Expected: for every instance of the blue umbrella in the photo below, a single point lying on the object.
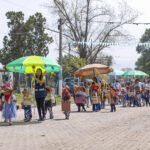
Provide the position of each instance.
(116, 73)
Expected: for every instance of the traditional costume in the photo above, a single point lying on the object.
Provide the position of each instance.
(49, 101)
(95, 97)
(66, 102)
(9, 108)
(27, 102)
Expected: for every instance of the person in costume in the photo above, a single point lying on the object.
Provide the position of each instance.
(103, 97)
(49, 101)
(27, 105)
(9, 108)
(87, 91)
(95, 97)
(113, 99)
(66, 102)
(80, 99)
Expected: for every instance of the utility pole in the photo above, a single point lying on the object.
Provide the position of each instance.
(60, 56)
(60, 40)
(69, 45)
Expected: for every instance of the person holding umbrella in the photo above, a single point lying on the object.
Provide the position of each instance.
(40, 93)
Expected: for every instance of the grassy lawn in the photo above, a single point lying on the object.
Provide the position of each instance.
(19, 99)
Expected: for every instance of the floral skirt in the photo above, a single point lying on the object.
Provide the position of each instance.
(9, 110)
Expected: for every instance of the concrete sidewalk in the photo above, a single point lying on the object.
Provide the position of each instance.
(126, 129)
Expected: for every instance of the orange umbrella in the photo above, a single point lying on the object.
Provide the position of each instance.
(93, 69)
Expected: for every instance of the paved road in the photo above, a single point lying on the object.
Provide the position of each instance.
(127, 129)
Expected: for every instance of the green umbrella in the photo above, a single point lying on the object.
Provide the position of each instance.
(29, 64)
(135, 73)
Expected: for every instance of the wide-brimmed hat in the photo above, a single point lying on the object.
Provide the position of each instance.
(67, 87)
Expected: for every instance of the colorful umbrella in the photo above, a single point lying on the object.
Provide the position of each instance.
(116, 73)
(29, 64)
(135, 73)
(93, 69)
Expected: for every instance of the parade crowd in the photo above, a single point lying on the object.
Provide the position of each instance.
(94, 96)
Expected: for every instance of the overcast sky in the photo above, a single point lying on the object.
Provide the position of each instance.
(124, 56)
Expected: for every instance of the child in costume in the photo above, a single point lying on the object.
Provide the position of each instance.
(95, 96)
(27, 105)
(80, 99)
(9, 108)
(49, 101)
(66, 103)
(113, 99)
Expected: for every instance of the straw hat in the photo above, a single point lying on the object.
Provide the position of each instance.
(77, 88)
(67, 87)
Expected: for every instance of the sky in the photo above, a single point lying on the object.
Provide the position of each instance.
(124, 55)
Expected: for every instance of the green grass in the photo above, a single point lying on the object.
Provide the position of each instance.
(58, 100)
(19, 99)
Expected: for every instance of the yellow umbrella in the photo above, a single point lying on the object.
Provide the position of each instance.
(93, 69)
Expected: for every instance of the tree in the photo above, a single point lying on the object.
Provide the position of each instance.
(104, 59)
(126, 69)
(143, 63)
(24, 38)
(71, 64)
(13, 43)
(37, 39)
(91, 21)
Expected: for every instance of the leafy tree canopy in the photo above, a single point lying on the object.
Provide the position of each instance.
(25, 37)
(143, 63)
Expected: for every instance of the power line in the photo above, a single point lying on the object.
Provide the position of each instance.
(114, 22)
(101, 43)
